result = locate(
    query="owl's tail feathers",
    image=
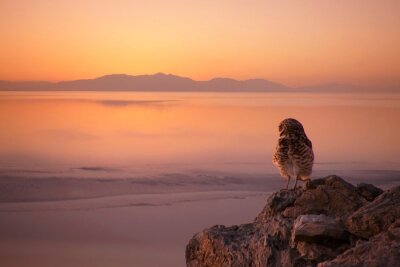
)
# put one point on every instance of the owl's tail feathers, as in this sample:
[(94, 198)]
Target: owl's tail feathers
[(284, 173), (304, 176)]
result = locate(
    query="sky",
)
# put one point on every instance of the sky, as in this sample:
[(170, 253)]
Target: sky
[(297, 43)]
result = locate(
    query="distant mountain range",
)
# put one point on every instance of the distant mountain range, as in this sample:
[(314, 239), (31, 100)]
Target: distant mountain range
[(161, 82)]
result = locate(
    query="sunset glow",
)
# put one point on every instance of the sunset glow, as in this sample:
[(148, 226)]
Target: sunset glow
[(296, 43), (199, 133)]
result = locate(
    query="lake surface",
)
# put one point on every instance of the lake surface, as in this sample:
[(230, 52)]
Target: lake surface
[(134, 132)]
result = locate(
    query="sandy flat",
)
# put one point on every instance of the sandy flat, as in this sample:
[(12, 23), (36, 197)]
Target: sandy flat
[(141, 230)]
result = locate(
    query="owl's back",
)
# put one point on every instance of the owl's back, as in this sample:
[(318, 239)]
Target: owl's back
[(294, 156)]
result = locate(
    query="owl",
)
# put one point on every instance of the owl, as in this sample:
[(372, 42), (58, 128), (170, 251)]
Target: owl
[(294, 156)]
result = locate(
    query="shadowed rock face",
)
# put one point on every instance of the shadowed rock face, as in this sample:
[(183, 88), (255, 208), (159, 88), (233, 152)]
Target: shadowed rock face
[(369, 191), (325, 223), (376, 216), (380, 250)]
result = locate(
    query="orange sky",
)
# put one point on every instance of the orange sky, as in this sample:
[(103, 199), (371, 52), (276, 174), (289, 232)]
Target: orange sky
[(293, 42)]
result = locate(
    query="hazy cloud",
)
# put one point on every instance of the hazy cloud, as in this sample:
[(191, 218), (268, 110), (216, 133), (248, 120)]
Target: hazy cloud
[(69, 134), (124, 103)]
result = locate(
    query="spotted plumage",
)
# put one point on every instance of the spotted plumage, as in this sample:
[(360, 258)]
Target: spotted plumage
[(294, 155)]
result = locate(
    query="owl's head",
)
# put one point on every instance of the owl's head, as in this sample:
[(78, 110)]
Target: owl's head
[(291, 127)]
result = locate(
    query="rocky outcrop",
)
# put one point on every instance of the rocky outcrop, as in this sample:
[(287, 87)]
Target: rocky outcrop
[(328, 222)]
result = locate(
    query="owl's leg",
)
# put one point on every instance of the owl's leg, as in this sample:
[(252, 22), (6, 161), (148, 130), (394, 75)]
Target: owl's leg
[(288, 180), (295, 184)]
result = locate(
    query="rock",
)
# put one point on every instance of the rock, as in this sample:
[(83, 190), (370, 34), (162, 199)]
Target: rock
[(380, 250), (376, 216), (316, 252), (317, 228), (368, 191), (278, 202), (319, 237), (242, 245), (330, 196), (281, 200), (212, 247), (319, 224)]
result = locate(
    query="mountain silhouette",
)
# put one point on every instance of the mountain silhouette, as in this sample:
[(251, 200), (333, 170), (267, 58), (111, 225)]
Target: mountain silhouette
[(161, 82), (157, 82)]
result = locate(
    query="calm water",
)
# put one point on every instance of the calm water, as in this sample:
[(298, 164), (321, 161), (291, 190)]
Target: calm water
[(137, 132)]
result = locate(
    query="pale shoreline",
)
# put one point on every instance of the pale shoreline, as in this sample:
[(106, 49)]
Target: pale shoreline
[(124, 201), (42, 187)]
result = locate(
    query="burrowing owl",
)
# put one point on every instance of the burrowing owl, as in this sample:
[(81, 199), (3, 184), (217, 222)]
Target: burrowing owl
[(294, 156)]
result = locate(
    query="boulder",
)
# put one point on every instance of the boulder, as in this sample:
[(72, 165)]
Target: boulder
[(377, 215), (243, 245), (318, 228)]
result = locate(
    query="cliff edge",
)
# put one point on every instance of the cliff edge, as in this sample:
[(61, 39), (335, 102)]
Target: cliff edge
[(327, 223)]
